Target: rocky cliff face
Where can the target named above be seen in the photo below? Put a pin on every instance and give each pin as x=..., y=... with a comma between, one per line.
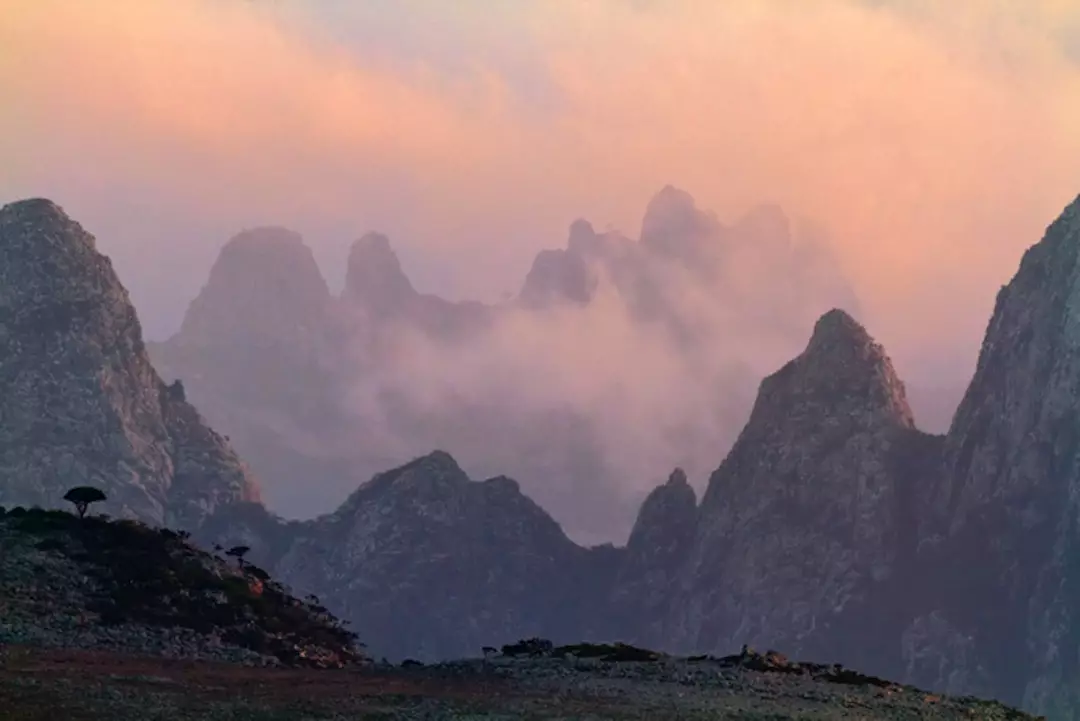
x=79, y=401
x=808, y=524
x=1002, y=529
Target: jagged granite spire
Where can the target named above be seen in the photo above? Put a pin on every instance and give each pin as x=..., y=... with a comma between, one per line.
x=1007, y=533
x=80, y=403
x=807, y=522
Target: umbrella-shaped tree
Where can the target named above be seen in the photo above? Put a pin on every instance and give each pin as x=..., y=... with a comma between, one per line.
x=83, y=496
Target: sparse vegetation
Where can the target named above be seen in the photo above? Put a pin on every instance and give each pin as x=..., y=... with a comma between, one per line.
x=155, y=578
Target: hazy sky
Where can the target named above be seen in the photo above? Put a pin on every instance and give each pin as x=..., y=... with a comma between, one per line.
x=934, y=140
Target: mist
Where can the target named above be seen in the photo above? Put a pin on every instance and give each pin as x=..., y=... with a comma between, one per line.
x=930, y=143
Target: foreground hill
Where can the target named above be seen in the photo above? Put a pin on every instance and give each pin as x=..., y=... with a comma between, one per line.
x=112, y=687
x=91, y=583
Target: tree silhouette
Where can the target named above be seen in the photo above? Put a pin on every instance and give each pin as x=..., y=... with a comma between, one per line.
x=83, y=496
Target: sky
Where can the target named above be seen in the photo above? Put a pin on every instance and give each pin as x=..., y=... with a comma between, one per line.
x=932, y=141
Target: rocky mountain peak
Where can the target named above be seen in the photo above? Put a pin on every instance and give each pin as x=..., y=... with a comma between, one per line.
x=374, y=277
x=818, y=485
x=48, y=262
x=669, y=510
x=79, y=400
x=673, y=224
x=264, y=285
x=842, y=371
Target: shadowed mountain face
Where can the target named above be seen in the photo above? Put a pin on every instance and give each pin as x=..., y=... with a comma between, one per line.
x=80, y=403
x=1004, y=522
x=834, y=528
x=613, y=363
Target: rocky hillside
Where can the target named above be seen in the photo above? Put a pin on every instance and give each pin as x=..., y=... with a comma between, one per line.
x=92, y=583
x=79, y=401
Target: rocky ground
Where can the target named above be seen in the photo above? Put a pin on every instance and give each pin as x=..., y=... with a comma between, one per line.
x=40, y=685
x=114, y=620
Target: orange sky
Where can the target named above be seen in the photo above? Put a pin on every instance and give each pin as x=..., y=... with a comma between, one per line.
x=933, y=140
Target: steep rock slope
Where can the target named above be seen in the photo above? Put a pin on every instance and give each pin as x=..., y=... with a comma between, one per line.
x=79, y=401
x=807, y=528
x=1004, y=535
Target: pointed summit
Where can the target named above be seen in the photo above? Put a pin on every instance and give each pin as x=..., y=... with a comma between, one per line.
x=666, y=518
x=265, y=286
x=660, y=542
x=842, y=370
x=673, y=225
x=374, y=277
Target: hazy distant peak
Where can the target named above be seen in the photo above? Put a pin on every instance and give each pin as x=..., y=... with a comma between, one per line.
x=673, y=224
x=764, y=224
x=582, y=237
x=557, y=276
x=265, y=283
x=269, y=254
x=374, y=275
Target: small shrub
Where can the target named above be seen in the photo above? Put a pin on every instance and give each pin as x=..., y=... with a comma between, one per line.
x=529, y=647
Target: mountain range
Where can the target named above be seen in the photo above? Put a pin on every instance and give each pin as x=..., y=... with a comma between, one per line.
x=833, y=528
x=618, y=359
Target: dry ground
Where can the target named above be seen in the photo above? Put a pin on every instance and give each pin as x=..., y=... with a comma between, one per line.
x=60, y=685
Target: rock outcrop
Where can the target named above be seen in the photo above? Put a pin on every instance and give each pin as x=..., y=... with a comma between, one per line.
x=807, y=526
x=80, y=403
